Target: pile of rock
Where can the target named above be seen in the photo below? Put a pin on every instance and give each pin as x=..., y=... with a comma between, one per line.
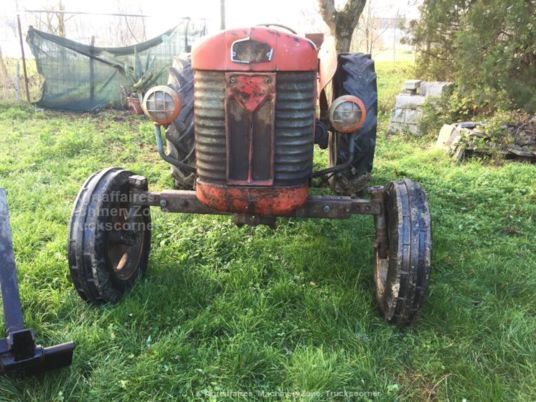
x=517, y=141
x=408, y=110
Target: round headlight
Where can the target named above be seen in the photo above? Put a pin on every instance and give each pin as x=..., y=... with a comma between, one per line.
x=347, y=113
x=161, y=104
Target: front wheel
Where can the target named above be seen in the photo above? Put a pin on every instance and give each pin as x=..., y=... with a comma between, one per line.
x=401, y=274
x=109, y=237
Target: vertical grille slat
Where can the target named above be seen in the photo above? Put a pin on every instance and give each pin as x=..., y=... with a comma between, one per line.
x=294, y=126
x=209, y=110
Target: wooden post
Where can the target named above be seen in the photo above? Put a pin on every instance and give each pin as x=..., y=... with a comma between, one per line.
x=23, y=61
x=394, y=45
x=222, y=14
x=17, y=82
x=92, y=72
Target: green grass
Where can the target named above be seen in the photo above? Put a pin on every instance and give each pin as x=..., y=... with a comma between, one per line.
x=239, y=310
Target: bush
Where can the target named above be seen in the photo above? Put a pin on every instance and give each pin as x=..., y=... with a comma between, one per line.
x=488, y=47
x=453, y=106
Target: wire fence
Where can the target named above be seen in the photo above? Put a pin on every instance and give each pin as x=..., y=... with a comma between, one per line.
x=380, y=36
x=12, y=82
x=103, y=30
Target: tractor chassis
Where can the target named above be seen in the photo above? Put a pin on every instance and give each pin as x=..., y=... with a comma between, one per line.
x=320, y=207
x=110, y=233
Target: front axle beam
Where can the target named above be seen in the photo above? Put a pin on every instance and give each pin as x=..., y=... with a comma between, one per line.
x=323, y=207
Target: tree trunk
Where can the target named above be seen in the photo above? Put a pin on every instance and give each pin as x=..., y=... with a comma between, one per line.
x=342, y=23
x=61, y=19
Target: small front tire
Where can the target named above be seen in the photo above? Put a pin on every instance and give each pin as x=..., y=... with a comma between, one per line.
x=109, y=238
x=401, y=278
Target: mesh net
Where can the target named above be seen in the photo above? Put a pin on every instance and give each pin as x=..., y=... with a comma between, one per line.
x=83, y=78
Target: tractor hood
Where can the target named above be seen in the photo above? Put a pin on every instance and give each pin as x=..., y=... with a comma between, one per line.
x=255, y=49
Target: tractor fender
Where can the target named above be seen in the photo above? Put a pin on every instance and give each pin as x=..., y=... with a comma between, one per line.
x=327, y=56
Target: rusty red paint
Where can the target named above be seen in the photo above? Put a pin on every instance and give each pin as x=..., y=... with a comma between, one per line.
x=327, y=63
x=249, y=110
x=316, y=37
x=154, y=104
x=290, y=52
x=347, y=128
x=250, y=90
x=265, y=201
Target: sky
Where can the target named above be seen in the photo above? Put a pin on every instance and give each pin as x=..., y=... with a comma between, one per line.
x=302, y=15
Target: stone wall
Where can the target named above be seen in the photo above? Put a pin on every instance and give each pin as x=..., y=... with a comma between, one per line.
x=408, y=109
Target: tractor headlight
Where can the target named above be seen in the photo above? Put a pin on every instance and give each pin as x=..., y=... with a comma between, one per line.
x=161, y=104
x=347, y=113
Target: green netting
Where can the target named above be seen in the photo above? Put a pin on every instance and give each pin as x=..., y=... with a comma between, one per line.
x=79, y=77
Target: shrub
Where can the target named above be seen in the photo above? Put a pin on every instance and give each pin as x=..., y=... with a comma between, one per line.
x=488, y=47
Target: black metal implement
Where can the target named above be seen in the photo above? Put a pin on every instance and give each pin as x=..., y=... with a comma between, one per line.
x=18, y=350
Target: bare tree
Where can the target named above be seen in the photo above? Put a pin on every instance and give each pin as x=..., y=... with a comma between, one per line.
x=5, y=79
x=60, y=16
x=342, y=23
x=371, y=28
x=128, y=29
x=54, y=19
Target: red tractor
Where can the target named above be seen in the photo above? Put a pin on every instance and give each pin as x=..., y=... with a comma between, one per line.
x=242, y=116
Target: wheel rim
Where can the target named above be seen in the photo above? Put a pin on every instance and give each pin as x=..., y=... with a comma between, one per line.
x=387, y=289
x=387, y=284
x=125, y=244
x=380, y=276
x=333, y=149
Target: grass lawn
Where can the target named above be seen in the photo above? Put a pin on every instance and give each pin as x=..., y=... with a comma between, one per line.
x=228, y=311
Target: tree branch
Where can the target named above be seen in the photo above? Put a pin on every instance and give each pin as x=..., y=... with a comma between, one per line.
x=354, y=8
x=342, y=24
x=328, y=13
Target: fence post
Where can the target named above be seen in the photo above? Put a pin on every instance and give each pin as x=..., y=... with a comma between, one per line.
x=23, y=61
x=17, y=81
x=92, y=72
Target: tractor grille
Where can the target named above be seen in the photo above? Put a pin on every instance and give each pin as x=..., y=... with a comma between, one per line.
x=209, y=109
x=294, y=127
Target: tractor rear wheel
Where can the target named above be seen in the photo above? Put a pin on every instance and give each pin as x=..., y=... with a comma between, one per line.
x=109, y=238
x=180, y=133
x=401, y=277
x=355, y=75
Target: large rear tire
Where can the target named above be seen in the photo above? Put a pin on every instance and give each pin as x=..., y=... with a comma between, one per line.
x=355, y=75
x=401, y=277
x=109, y=239
x=180, y=134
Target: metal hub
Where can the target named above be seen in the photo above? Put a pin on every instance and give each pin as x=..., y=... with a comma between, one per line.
x=125, y=244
